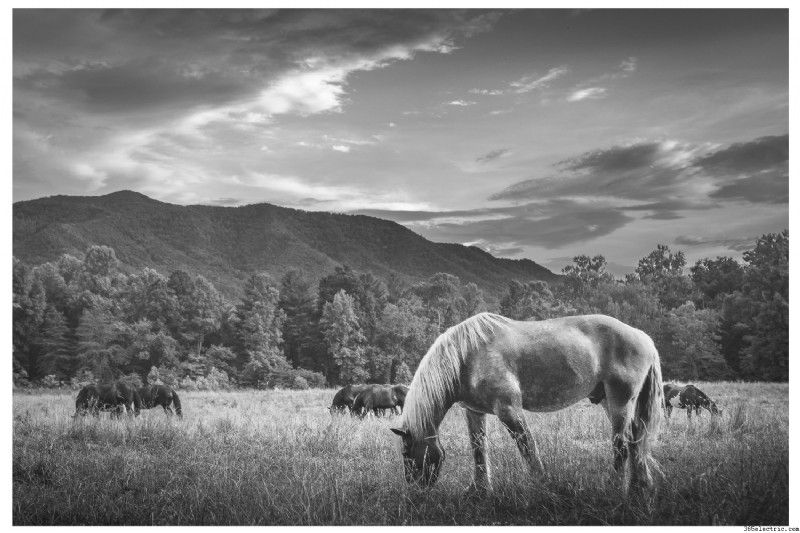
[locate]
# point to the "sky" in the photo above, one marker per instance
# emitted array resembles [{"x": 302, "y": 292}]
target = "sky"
[{"x": 539, "y": 134}]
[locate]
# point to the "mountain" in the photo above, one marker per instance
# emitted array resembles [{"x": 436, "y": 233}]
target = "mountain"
[{"x": 226, "y": 244}]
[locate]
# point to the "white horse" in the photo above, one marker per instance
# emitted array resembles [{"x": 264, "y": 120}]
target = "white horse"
[{"x": 494, "y": 365}]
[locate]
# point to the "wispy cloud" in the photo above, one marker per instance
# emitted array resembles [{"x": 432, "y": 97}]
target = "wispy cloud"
[
  {"x": 739, "y": 244},
  {"x": 529, "y": 83},
  {"x": 461, "y": 103},
  {"x": 590, "y": 93},
  {"x": 493, "y": 155},
  {"x": 526, "y": 83}
]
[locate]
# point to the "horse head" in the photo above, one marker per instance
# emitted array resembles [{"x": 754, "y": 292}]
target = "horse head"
[{"x": 422, "y": 459}]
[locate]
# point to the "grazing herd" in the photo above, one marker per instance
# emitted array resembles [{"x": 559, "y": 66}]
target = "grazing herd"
[
  {"x": 362, "y": 400},
  {"x": 492, "y": 365},
  {"x": 118, "y": 397}
]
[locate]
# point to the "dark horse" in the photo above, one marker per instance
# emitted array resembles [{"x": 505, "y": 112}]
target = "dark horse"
[
  {"x": 115, "y": 397},
  {"x": 153, "y": 395},
  {"x": 345, "y": 397},
  {"x": 494, "y": 365},
  {"x": 687, "y": 397},
  {"x": 381, "y": 397}
]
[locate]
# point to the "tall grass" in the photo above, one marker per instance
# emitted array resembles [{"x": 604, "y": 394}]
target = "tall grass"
[{"x": 278, "y": 457}]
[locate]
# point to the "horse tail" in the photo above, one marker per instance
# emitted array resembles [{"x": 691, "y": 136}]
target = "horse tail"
[
  {"x": 177, "y": 402},
  {"x": 648, "y": 415}
]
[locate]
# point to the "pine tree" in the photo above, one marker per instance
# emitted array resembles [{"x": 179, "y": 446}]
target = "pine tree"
[{"x": 344, "y": 338}]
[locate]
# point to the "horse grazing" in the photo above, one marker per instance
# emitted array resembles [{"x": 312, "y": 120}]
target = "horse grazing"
[
  {"x": 494, "y": 365},
  {"x": 345, "y": 397},
  {"x": 381, "y": 397},
  {"x": 115, "y": 397},
  {"x": 153, "y": 395},
  {"x": 688, "y": 397}
]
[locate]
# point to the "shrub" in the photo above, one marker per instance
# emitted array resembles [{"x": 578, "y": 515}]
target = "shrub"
[
  {"x": 50, "y": 382},
  {"x": 299, "y": 383},
  {"x": 81, "y": 379}
]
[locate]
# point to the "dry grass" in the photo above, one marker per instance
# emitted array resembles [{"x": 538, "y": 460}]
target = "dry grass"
[{"x": 278, "y": 457}]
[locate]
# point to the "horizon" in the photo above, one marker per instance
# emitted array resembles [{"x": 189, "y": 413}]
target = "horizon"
[{"x": 623, "y": 129}]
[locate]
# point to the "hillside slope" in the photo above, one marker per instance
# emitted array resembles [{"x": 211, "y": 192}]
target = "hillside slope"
[{"x": 226, "y": 244}]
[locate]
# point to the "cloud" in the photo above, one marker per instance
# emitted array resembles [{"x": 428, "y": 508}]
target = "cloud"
[
  {"x": 770, "y": 187},
  {"x": 527, "y": 83},
  {"x": 530, "y": 83},
  {"x": 493, "y": 155},
  {"x": 500, "y": 251},
  {"x": 568, "y": 226},
  {"x": 486, "y": 92},
  {"x": 461, "y": 103},
  {"x": 340, "y": 148},
  {"x": 591, "y": 93},
  {"x": 628, "y": 65},
  {"x": 641, "y": 171},
  {"x": 142, "y": 93},
  {"x": 754, "y": 156},
  {"x": 737, "y": 244}
]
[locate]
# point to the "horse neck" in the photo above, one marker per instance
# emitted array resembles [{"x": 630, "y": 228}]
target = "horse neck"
[{"x": 422, "y": 417}]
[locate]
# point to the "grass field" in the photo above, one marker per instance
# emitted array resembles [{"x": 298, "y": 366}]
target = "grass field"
[{"x": 278, "y": 457}]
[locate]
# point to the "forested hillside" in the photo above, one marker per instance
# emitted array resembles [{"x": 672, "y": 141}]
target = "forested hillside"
[
  {"x": 80, "y": 319},
  {"x": 227, "y": 244}
]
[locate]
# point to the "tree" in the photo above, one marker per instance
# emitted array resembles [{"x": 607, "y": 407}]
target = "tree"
[
  {"x": 531, "y": 300},
  {"x": 57, "y": 356},
  {"x": 404, "y": 333},
  {"x": 473, "y": 299},
  {"x": 100, "y": 269},
  {"x": 99, "y": 349},
  {"x": 695, "y": 354},
  {"x": 297, "y": 301},
  {"x": 260, "y": 325},
  {"x": 29, "y": 305},
  {"x": 661, "y": 262},
  {"x": 664, "y": 270},
  {"x": 147, "y": 296},
  {"x": 585, "y": 274},
  {"x": 715, "y": 278},
  {"x": 344, "y": 338},
  {"x": 766, "y": 289},
  {"x": 441, "y": 296},
  {"x": 205, "y": 310}
]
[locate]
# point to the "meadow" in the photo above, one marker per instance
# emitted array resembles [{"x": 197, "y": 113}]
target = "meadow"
[{"x": 277, "y": 457}]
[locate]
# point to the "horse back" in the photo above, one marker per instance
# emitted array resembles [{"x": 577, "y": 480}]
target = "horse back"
[{"x": 555, "y": 363}]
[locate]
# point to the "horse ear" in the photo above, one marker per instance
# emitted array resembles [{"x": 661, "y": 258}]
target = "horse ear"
[{"x": 399, "y": 432}]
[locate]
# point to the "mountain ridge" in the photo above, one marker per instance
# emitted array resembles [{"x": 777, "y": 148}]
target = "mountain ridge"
[{"x": 225, "y": 244}]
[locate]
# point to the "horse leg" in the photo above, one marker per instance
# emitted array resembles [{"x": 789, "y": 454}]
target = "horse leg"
[
  {"x": 669, "y": 411},
  {"x": 514, "y": 421},
  {"x": 476, "y": 423},
  {"x": 621, "y": 409},
  {"x": 167, "y": 409},
  {"x": 689, "y": 412}
]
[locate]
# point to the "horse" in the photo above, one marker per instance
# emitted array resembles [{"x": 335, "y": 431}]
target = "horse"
[
  {"x": 688, "y": 397},
  {"x": 491, "y": 364},
  {"x": 153, "y": 395},
  {"x": 382, "y": 397},
  {"x": 115, "y": 397},
  {"x": 345, "y": 397}
]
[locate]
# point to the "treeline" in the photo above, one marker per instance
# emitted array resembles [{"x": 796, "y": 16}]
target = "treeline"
[{"x": 77, "y": 320}]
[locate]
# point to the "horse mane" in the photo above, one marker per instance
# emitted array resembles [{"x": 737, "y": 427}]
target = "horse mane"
[{"x": 438, "y": 375}]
